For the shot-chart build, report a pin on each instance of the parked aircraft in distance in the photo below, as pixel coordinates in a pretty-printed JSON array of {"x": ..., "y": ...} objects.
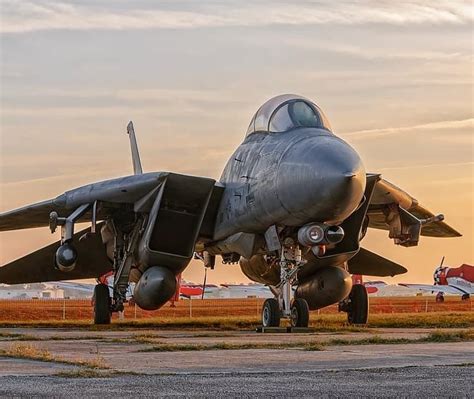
[
  {"x": 371, "y": 286},
  {"x": 450, "y": 280},
  {"x": 185, "y": 289},
  {"x": 292, "y": 206}
]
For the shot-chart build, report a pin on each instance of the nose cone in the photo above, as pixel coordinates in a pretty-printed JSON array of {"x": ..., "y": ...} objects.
[{"x": 322, "y": 179}]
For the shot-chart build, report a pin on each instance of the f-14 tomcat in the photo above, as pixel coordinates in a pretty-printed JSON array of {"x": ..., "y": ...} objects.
[{"x": 292, "y": 206}]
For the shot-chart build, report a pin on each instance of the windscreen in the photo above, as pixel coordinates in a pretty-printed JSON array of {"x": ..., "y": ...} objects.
[{"x": 297, "y": 114}]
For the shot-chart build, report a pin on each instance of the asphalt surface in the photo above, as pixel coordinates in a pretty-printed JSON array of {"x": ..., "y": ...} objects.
[
  {"x": 413, "y": 382},
  {"x": 384, "y": 370}
]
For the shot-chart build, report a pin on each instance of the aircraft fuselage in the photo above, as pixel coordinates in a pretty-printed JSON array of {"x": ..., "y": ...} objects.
[{"x": 289, "y": 179}]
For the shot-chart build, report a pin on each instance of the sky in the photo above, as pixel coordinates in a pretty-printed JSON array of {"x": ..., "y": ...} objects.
[{"x": 394, "y": 78}]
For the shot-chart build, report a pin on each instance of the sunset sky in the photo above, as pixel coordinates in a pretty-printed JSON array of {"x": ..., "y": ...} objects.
[{"x": 395, "y": 79}]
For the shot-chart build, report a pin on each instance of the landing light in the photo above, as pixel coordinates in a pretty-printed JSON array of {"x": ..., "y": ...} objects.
[{"x": 311, "y": 235}]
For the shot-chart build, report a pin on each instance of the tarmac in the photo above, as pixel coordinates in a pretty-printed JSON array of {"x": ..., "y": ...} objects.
[{"x": 376, "y": 370}]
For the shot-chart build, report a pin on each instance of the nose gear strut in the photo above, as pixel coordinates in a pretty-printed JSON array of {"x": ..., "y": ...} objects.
[{"x": 284, "y": 305}]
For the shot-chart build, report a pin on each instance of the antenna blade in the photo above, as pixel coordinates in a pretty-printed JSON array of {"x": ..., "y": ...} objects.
[{"x": 137, "y": 165}]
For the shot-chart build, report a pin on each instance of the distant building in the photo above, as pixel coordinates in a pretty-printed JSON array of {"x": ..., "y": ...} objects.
[{"x": 29, "y": 291}]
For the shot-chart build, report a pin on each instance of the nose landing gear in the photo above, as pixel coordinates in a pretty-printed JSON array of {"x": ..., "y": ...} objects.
[{"x": 296, "y": 310}]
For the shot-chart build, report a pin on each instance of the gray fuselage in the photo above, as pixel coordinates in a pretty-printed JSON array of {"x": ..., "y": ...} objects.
[{"x": 289, "y": 179}]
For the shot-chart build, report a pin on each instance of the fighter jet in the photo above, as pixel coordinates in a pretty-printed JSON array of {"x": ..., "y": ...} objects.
[{"x": 292, "y": 206}]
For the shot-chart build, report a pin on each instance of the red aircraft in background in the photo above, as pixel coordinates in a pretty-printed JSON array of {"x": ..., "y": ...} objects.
[
  {"x": 371, "y": 286},
  {"x": 450, "y": 280}
]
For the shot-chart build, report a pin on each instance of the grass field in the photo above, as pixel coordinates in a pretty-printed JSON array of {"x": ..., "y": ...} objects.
[
  {"x": 244, "y": 309},
  {"x": 323, "y": 322}
]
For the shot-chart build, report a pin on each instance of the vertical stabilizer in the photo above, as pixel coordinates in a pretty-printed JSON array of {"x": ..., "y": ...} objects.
[{"x": 137, "y": 165}]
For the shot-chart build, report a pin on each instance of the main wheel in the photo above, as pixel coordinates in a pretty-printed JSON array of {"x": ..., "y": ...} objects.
[
  {"x": 299, "y": 313},
  {"x": 102, "y": 313},
  {"x": 271, "y": 313},
  {"x": 358, "y": 312}
]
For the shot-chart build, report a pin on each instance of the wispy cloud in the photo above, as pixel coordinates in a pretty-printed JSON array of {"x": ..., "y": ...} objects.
[
  {"x": 442, "y": 125},
  {"x": 26, "y": 16},
  {"x": 429, "y": 165},
  {"x": 377, "y": 53}
]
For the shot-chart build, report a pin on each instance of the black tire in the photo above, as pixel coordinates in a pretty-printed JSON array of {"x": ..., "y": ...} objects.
[
  {"x": 299, "y": 313},
  {"x": 271, "y": 313},
  {"x": 358, "y": 312},
  {"x": 102, "y": 302}
]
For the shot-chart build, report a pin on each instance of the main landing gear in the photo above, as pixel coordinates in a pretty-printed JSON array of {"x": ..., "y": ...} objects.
[
  {"x": 102, "y": 304},
  {"x": 120, "y": 236},
  {"x": 440, "y": 297},
  {"x": 123, "y": 242},
  {"x": 356, "y": 305},
  {"x": 283, "y": 306}
]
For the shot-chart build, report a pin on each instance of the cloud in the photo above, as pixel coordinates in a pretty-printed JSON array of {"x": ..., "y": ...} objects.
[
  {"x": 430, "y": 165},
  {"x": 442, "y": 125},
  {"x": 378, "y": 53},
  {"x": 26, "y": 16}
]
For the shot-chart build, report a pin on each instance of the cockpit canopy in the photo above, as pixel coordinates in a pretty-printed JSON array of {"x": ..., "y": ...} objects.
[{"x": 287, "y": 112}]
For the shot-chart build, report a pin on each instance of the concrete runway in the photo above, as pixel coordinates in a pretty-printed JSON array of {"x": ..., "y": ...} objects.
[{"x": 384, "y": 370}]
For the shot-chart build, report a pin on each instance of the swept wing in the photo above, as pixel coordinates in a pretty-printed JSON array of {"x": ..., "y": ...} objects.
[{"x": 388, "y": 198}]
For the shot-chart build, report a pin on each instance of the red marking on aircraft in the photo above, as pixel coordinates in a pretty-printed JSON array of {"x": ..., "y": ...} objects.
[{"x": 450, "y": 280}]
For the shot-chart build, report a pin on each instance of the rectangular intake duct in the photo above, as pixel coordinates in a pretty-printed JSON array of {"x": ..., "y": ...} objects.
[{"x": 174, "y": 221}]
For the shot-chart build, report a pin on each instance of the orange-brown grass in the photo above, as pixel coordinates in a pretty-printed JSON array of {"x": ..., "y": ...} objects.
[
  {"x": 53, "y": 309},
  {"x": 322, "y": 322},
  {"x": 33, "y": 352}
]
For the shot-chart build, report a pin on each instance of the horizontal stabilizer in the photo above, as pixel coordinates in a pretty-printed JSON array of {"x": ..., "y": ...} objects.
[
  {"x": 38, "y": 266},
  {"x": 371, "y": 264}
]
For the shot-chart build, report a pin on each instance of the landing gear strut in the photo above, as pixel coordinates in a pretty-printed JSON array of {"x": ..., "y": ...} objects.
[
  {"x": 124, "y": 256},
  {"x": 283, "y": 306},
  {"x": 356, "y": 305}
]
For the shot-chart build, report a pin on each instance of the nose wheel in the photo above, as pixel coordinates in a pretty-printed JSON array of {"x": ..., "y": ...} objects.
[
  {"x": 299, "y": 313},
  {"x": 271, "y": 313}
]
